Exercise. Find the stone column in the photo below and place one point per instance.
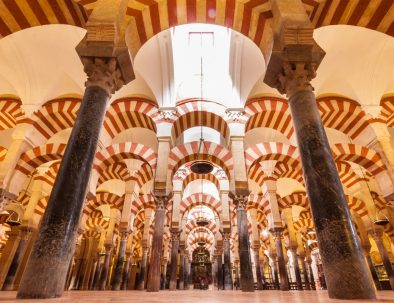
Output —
(305, 273)
(275, 276)
(284, 281)
(187, 271)
(174, 257)
(296, 265)
(311, 277)
(247, 283)
(126, 273)
(219, 270)
(165, 262)
(366, 251)
(378, 237)
(105, 269)
(182, 268)
(293, 63)
(14, 237)
(258, 269)
(228, 282)
(46, 271)
(25, 233)
(118, 272)
(215, 271)
(157, 243)
(97, 274)
(144, 263)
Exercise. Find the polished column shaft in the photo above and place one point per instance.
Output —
(228, 283)
(118, 273)
(220, 270)
(157, 244)
(16, 261)
(377, 236)
(174, 258)
(105, 269)
(126, 273)
(182, 269)
(247, 283)
(258, 270)
(305, 273)
(297, 271)
(284, 281)
(46, 271)
(144, 264)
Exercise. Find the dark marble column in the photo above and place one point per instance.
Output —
(311, 277)
(282, 268)
(144, 264)
(20, 251)
(378, 237)
(297, 271)
(105, 269)
(228, 281)
(118, 272)
(291, 68)
(97, 274)
(258, 269)
(187, 272)
(126, 273)
(275, 274)
(157, 244)
(174, 258)
(247, 283)
(305, 273)
(182, 268)
(165, 263)
(215, 271)
(46, 270)
(220, 268)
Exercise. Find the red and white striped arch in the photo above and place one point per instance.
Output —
(96, 220)
(91, 234)
(271, 151)
(380, 202)
(55, 116)
(41, 206)
(387, 112)
(50, 176)
(117, 170)
(39, 155)
(367, 158)
(3, 153)
(356, 205)
(10, 113)
(256, 174)
(142, 202)
(257, 202)
(193, 177)
(121, 151)
(144, 175)
(192, 224)
(346, 174)
(297, 198)
(305, 220)
(269, 112)
(343, 114)
(285, 170)
(199, 118)
(128, 113)
(200, 199)
(188, 152)
(102, 199)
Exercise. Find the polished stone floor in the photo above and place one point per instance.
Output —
(191, 296)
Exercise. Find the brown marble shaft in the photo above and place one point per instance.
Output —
(344, 266)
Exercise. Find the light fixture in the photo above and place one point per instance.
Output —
(200, 166)
(13, 219)
(201, 221)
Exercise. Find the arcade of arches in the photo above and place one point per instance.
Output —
(218, 145)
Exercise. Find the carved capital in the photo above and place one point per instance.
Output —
(296, 77)
(161, 200)
(103, 72)
(276, 232)
(175, 234)
(240, 200)
(226, 236)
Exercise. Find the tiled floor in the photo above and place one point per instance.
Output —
(194, 296)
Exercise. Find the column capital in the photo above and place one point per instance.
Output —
(175, 234)
(103, 72)
(240, 199)
(276, 232)
(226, 236)
(161, 200)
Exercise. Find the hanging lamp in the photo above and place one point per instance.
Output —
(201, 166)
